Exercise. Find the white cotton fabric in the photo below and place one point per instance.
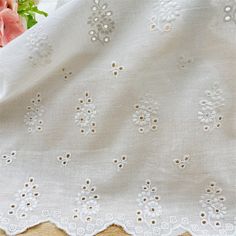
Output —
(48, 6)
(121, 112)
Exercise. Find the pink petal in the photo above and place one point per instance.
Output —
(3, 4)
(12, 5)
(11, 26)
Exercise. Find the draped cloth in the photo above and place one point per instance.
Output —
(121, 112)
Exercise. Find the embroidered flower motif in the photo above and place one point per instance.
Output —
(230, 13)
(169, 10)
(165, 12)
(64, 159)
(85, 115)
(116, 69)
(33, 117)
(101, 22)
(87, 202)
(181, 163)
(152, 209)
(149, 208)
(40, 48)
(218, 212)
(28, 204)
(26, 200)
(145, 116)
(210, 113)
(8, 158)
(213, 204)
(120, 163)
(184, 62)
(207, 116)
(90, 207)
(66, 74)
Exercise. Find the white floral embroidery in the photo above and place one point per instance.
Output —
(9, 157)
(213, 204)
(64, 159)
(87, 203)
(33, 117)
(66, 74)
(230, 12)
(149, 208)
(184, 62)
(101, 22)
(210, 113)
(40, 48)
(116, 68)
(165, 12)
(145, 116)
(26, 200)
(120, 163)
(85, 115)
(181, 163)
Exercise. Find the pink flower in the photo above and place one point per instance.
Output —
(8, 4)
(10, 23)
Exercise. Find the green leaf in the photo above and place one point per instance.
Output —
(36, 10)
(30, 21)
(28, 9)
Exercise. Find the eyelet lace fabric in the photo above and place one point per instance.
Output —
(121, 112)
